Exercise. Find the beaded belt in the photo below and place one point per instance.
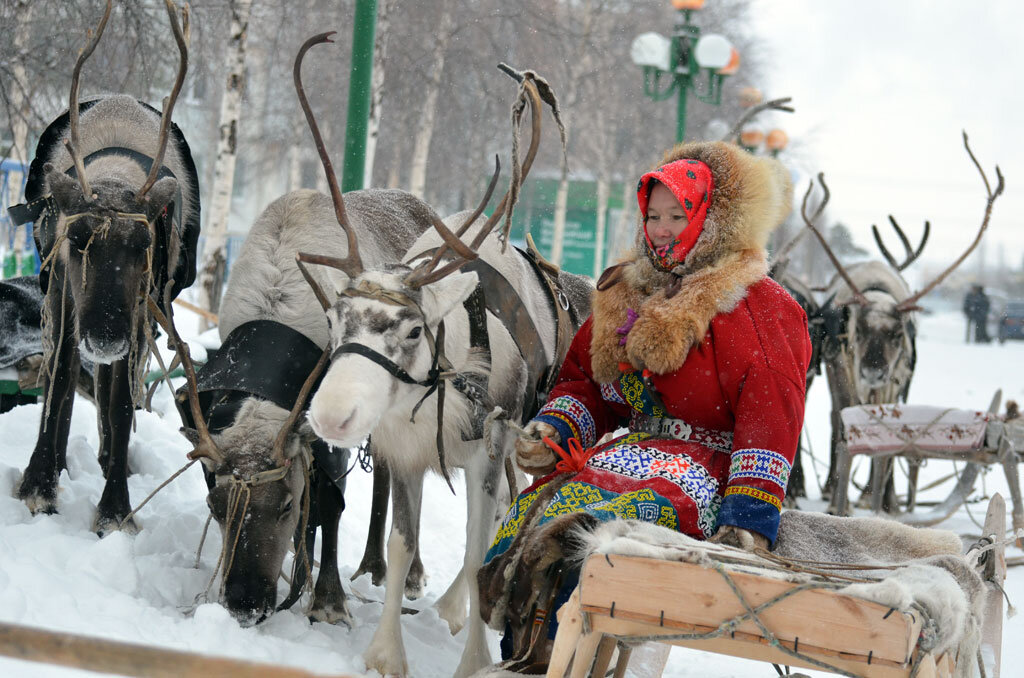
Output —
(666, 427)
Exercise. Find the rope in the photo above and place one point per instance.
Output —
(153, 493)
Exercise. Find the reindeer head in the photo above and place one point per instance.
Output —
(106, 256)
(105, 220)
(257, 500)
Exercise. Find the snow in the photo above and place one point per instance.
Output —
(56, 574)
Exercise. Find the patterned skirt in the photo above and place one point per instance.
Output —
(675, 483)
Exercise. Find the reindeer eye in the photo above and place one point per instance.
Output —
(415, 332)
(286, 508)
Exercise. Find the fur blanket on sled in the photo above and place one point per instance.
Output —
(933, 574)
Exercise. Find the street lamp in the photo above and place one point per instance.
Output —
(752, 138)
(689, 59)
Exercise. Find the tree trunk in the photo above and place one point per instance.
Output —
(380, 49)
(428, 108)
(621, 239)
(603, 189)
(19, 112)
(211, 274)
(561, 205)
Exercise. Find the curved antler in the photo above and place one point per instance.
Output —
(73, 144)
(858, 297)
(911, 254)
(910, 303)
(781, 104)
(300, 402)
(530, 86)
(182, 34)
(351, 265)
(206, 447)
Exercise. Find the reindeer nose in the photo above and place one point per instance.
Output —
(334, 426)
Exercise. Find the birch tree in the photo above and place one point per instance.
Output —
(211, 274)
(380, 50)
(428, 110)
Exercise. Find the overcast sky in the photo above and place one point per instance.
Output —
(882, 89)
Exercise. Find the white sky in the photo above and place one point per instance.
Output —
(882, 89)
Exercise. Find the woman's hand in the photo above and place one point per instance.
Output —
(532, 455)
(730, 535)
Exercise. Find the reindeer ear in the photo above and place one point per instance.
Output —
(162, 193)
(65, 190)
(305, 431)
(190, 434)
(439, 298)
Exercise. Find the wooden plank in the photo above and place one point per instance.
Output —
(127, 659)
(691, 594)
(748, 646)
(570, 628)
(995, 574)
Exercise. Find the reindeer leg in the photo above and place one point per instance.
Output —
(483, 477)
(373, 554)
(114, 503)
(329, 597)
(417, 577)
(102, 385)
(386, 653)
(38, 488)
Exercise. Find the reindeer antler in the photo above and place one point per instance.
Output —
(781, 104)
(182, 34)
(532, 89)
(351, 265)
(300, 402)
(911, 254)
(206, 447)
(858, 297)
(910, 303)
(73, 145)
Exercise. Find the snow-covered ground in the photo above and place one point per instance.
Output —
(56, 574)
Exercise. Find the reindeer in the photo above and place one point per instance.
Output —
(112, 188)
(869, 350)
(398, 333)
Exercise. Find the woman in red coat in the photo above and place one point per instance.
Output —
(694, 350)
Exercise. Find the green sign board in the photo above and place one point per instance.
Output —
(536, 210)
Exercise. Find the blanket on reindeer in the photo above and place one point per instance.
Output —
(920, 569)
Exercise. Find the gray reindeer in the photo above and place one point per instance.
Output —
(421, 351)
(114, 195)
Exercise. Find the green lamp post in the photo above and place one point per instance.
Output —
(687, 61)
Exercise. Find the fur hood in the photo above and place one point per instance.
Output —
(752, 196)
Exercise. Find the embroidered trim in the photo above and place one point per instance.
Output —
(644, 463)
(677, 428)
(609, 393)
(576, 415)
(756, 494)
(758, 464)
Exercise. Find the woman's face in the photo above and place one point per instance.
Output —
(666, 218)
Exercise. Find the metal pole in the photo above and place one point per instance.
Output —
(684, 89)
(364, 28)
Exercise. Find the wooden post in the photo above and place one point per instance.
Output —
(128, 659)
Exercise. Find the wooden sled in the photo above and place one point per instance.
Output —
(623, 600)
(917, 433)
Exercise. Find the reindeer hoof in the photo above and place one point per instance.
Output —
(37, 499)
(377, 570)
(104, 525)
(331, 613)
(386, 658)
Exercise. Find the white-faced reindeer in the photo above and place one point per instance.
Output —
(114, 193)
(418, 359)
(870, 321)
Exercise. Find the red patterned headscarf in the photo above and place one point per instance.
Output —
(692, 183)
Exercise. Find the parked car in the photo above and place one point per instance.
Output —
(1011, 321)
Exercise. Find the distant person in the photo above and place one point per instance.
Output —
(981, 318)
(971, 310)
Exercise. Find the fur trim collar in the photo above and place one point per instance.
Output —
(666, 328)
(752, 196)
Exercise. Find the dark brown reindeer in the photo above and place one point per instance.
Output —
(869, 349)
(112, 189)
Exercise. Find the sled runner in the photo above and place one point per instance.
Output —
(774, 609)
(918, 432)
